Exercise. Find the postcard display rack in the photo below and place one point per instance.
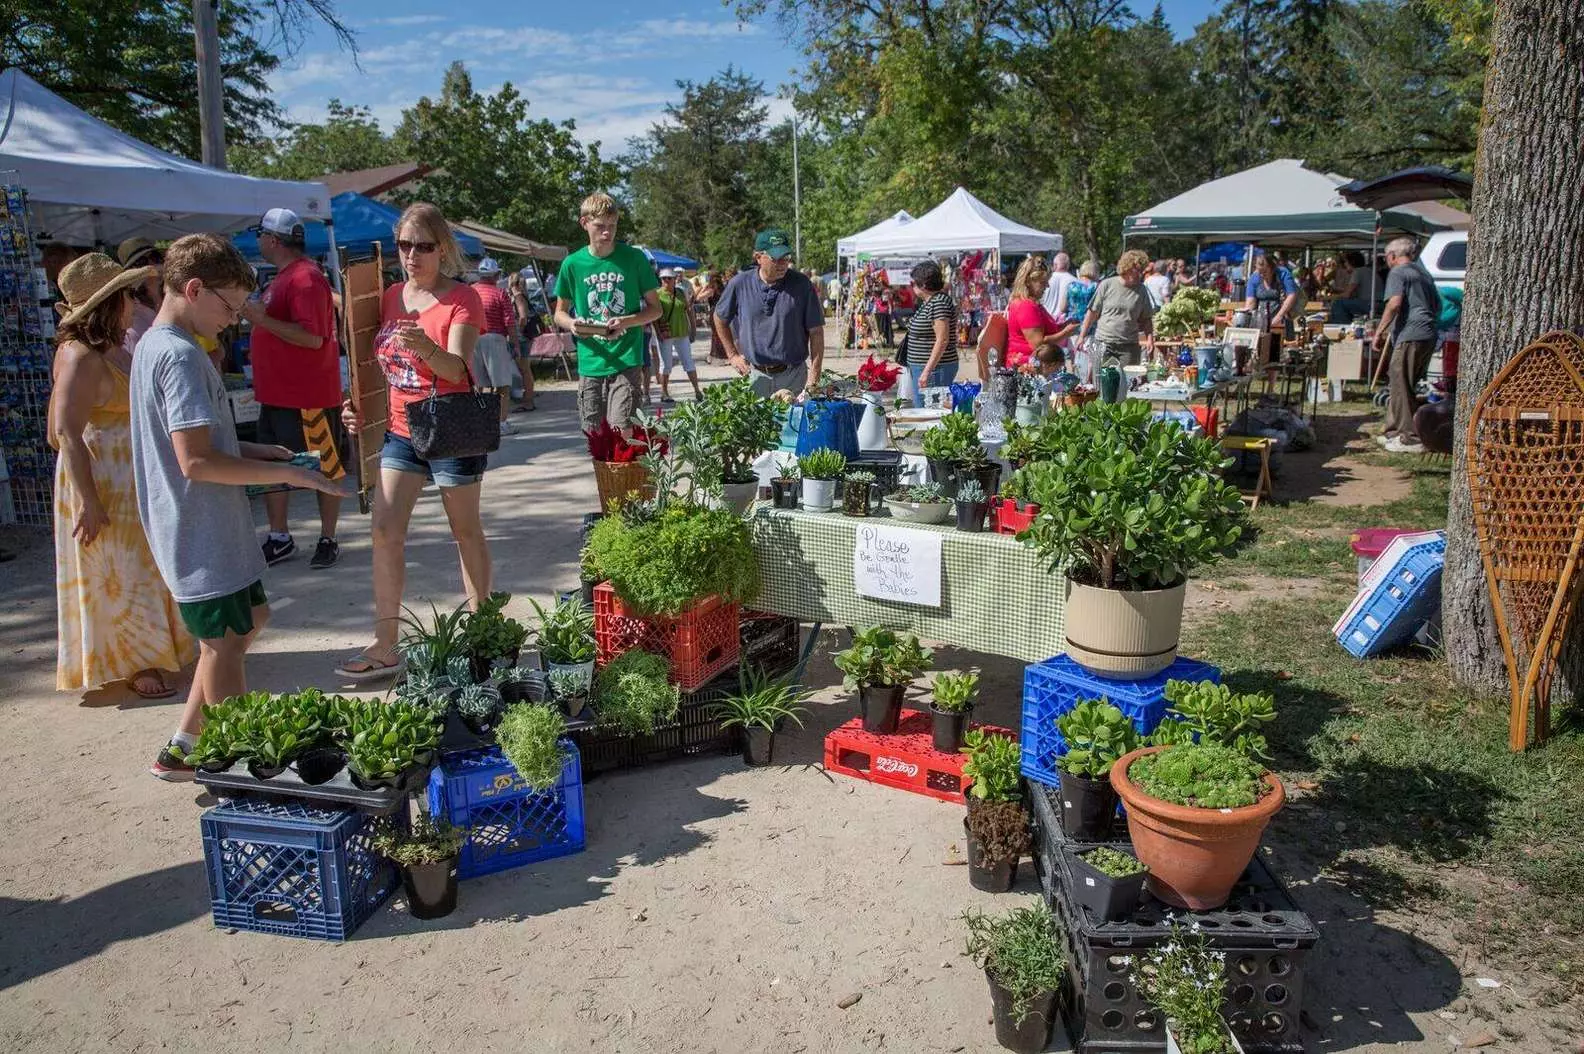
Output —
(27, 328)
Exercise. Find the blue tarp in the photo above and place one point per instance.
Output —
(661, 258)
(1231, 252)
(359, 223)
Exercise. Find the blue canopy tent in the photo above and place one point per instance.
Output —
(661, 258)
(1231, 252)
(359, 223)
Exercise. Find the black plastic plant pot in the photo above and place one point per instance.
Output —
(1088, 808)
(481, 663)
(586, 589)
(320, 765)
(944, 472)
(1028, 1035)
(992, 878)
(948, 729)
(971, 515)
(758, 747)
(881, 707)
(784, 493)
(855, 500)
(1106, 898)
(264, 772)
(377, 783)
(987, 475)
(431, 888)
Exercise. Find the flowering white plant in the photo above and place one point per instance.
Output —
(1185, 979)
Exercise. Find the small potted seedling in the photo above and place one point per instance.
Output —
(427, 857)
(570, 691)
(1096, 734)
(972, 504)
(858, 486)
(489, 634)
(820, 470)
(1184, 978)
(997, 825)
(566, 639)
(1107, 881)
(784, 486)
(761, 705)
(1023, 955)
(919, 503)
(478, 705)
(953, 701)
(880, 665)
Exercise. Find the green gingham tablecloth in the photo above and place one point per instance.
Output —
(996, 596)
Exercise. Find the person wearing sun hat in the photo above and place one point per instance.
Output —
(115, 618)
(144, 254)
(770, 320)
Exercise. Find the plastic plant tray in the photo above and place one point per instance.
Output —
(339, 790)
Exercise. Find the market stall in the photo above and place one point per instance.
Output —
(359, 223)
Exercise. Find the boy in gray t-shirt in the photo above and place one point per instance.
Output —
(191, 471)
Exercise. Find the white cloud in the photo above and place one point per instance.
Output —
(612, 130)
(520, 40)
(407, 20)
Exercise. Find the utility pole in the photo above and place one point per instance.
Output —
(797, 192)
(211, 93)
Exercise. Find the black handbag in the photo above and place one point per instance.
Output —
(457, 424)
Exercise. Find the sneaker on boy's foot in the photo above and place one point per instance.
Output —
(1398, 445)
(325, 554)
(171, 767)
(507, 428)
(275, 550)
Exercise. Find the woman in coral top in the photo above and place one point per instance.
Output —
(428, 327)
(1033, 336)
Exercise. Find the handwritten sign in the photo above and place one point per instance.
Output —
(898, 563)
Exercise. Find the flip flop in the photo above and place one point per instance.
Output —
(376, 670)
(167, 690)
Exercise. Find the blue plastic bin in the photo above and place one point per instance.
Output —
(508, 824)
(827, 423)
(292, 869)
(1056, 686)
(1398, 602)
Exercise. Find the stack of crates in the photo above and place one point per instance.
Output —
(508, 823)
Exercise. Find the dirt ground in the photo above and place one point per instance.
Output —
(715, 908)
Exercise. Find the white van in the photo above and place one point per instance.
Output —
(1445, 256)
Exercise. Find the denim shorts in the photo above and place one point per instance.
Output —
(398, 454)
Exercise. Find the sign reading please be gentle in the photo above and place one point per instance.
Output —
(898, 563)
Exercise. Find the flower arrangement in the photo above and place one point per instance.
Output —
(878, 375)
(611, 446)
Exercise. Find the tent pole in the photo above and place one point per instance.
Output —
(333, 256)
(1374, 248)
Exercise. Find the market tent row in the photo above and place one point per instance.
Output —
(961, 223)
(360, 223)
(499, 241)
(89, 183)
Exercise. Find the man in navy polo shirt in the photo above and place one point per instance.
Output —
(770, 321)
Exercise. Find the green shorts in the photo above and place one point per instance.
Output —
(209, 619)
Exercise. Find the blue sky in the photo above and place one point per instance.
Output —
(611, 67)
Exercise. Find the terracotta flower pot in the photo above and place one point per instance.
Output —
(1195, 856)
(1123, 633)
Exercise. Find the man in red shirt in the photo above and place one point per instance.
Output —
(297, 376)
(492, 364)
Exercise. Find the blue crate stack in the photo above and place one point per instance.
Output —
(293, 869)
(1400, 602)
(509, 824)
(1056, 686)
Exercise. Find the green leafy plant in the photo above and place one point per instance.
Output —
(388, 738)
(1024, 950)
(1185, 979)
(786, 468)
(761, 701)
(860, 475)
(1201, 776)
(920, 493)
(971, 492)
(633, 692)
(1112, 862)
(1128, 502)
(725, 431)
(823, 463)
(954, 692)
(1186, 312)
(992, 768)
(428, 646)
(568, 685)
(1096, 734)
(880, 657)
(478, 703)
(530, 737)
(1206, 712)
(660, 565)
(1002, 830)
(565, 633)
(430, 841)
(224, 738)
(954, 439)
(490, 633)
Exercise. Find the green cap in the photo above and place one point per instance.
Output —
(775, 242)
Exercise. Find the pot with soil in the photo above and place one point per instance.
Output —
(1028, 1034)
(1107, 882)
(857, 493)
(261, 771)
(427, 856)
(1088, 807)
(1024, 956)
(819, 494)
(972, 504)
(320, 765)
(758, 747)
(739, 496)
(784, 492)
(431, 888)
(1096, 734)
(943, 471)
(880, 705)
(881, 664)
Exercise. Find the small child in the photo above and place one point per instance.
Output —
(191, 472)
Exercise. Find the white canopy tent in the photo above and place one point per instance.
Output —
(89, 183)
(961, 223)
(854, 244)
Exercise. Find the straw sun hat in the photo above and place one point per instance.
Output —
(89, 280)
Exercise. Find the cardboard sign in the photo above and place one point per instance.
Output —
(897, 563)
(362, 290)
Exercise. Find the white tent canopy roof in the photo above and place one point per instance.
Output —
(960, 223)
(854, 244)
(88, 182)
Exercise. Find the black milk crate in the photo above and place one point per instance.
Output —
(768, 641)
(885, 464)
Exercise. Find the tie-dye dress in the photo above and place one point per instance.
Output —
(115, 615)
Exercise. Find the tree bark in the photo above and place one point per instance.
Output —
(1524, 279)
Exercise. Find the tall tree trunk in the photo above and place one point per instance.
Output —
(1524, 277)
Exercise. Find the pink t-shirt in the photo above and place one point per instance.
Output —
(409, 377)
(1025, 314)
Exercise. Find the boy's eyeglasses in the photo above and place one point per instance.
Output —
(421, 248)
(235, 309)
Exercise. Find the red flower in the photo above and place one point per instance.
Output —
(608, 444)
(878, 376)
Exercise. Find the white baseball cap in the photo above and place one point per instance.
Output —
(489, 265)
(283, 223)
(668, 272)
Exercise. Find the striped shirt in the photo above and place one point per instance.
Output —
(921, 330)
(498, 314)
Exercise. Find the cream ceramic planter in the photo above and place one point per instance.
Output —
(1123, 634)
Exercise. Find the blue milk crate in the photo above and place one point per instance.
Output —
(1055, 686)
(1398, 594)
(293, 869)
(508, 824)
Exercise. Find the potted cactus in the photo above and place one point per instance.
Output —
(820, 470)
(880, 665)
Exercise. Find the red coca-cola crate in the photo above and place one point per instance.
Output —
(1007, 518)
(700, 643)
(906, 760)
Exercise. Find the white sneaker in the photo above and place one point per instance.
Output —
(1382, 439)
(1396, 445)
(508, 429)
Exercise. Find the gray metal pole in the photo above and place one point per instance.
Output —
(797, 192)
(211, 100)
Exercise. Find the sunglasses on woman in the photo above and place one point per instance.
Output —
(421, 248)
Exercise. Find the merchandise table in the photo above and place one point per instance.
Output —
(1233, 394)
(996, 595)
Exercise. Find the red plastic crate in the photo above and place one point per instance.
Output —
(1006, 518)
(700, 643)
(907, 760)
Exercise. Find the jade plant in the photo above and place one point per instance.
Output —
(660, 560)
(489, 633)
(1023, 950)
(1112, 862)
(881, 657)
(1201, 776)
(530, 737)
(822, 464)
(992, 767)
(634, 693)
(954, 439)
(954, 692)
(1184, 978)
(725, 430)
(1096, 734)
(1207, 712)
(565, 633)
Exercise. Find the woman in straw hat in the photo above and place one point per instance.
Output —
(117, 620)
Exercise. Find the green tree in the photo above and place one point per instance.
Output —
(348, 139)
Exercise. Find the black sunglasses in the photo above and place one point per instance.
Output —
(422, 248)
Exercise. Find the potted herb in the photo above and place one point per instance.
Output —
(427, 856)
(880, 665)
(919, 503)
(761, 705)
(1096, 733)
(388, 740)
(784, 485)
(633, 693)
(1023, 955)
(1106, 881)
(858, 485)
(1185, 980)
(820, 470)
(949, 445)
(953, 695)
(997, 824)
(1126, 547)
(566, 639)
(570, 691)
(664, 557)
(530, 737)
(972, 504)
(723, 433)
(489, 634)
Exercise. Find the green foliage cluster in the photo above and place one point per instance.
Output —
(566, 632)
(1096, 734)
(1185, 979)
(724, 431)
(659, 565)
(761, 701)
(992, 766)
(1206, 712)
(478, 703)
(430, 841)
(271, 730)
(1002, 830)
(1113, 862)
(1201, 776)
(429, 647)
(860, 476)
(1189, 309)
(920, 494)
(383, 739)
(954, 439)
(954, 692)
(823, 463)
(880, 657)
(1128, 502)
(1024, 950)
(489, 633)
(971, 492)
(633, 692)
(530, 737)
